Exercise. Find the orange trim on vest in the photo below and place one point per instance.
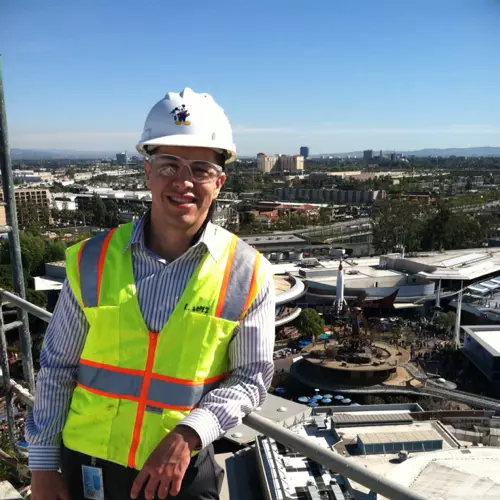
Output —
(225, 280)
(181, 381)
(164, 378)
(143, 399)
(100, 265)
(107, 394)
(253, 285)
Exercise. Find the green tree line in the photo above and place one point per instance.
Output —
(425, 228)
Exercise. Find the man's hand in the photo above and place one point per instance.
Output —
(166, 466)
(48, 485)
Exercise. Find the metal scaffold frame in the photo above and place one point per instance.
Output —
(12, 389)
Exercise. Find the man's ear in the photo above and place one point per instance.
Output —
(147, 170)
(218, 186)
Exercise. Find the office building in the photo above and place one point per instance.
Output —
(330, 196)
(367, 155)
(122, 158)
(32, 196)
(39, 198)
(273, 163)
(304, 151)
(293, 164)
(267, 163)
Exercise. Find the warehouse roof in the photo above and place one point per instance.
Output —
(399, 437)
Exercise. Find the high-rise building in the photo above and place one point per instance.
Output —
(304, 151)
(39, 198)
(367, 155)
(266, 163)
(122, 158)
(293, 164)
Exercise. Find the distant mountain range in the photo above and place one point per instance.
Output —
(477, 151)
(61, 154)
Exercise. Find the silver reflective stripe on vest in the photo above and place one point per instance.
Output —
(171, 394)
(89, 269)
(119, 384)
(128, 386)
(240, 281)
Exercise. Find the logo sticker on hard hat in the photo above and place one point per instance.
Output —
(180, 115)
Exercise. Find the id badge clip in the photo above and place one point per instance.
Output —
(93, 487)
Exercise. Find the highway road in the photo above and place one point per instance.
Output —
(336, 226)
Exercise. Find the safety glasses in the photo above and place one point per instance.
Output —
(200, 171)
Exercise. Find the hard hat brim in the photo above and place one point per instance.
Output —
(229, 150)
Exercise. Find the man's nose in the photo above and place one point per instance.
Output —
(184, 175)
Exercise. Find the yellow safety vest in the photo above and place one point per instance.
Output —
(134, 386)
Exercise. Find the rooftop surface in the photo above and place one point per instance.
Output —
(466, 264)
(358, 418)
(273, 239)
(471, 473)
(448, 474)
(378, 433)
(487, 335)
(275, 408)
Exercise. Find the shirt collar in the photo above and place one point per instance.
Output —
(208, 237)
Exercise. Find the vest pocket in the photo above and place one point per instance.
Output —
(194, 346)
(103, 340)
(94, 407)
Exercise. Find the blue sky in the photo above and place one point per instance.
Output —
(336, 75)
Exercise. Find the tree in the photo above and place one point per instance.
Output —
(112, 214)
(98, 209)
(446, 320)
(54, 251)
(397, 222)
(310, 324)
(32, 251)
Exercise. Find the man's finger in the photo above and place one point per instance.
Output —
(164, 488)
(152, 486)
(175, 486)
(138, 483)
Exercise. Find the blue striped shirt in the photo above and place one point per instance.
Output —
(159, 285)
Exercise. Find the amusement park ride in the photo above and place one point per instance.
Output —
(354, 345)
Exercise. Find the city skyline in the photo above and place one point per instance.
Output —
(354, 77)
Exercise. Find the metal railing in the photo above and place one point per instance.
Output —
(336, 462)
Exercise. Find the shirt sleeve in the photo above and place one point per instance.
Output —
(61, 351)
(251, 370)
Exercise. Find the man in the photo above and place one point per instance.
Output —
(166, 325)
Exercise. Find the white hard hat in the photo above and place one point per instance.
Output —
(188, 119)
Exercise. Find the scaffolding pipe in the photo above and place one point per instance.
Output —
(39, 312)
(14, 243)
(334, 461)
